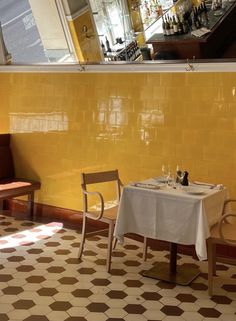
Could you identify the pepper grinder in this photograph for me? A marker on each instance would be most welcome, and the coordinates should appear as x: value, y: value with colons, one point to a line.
x: 184, y: 181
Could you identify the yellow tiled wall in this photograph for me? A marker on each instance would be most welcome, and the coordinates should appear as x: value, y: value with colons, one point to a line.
x: 63, y: 124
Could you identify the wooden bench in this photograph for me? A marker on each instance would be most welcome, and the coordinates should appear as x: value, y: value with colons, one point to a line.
x: 11, y: 186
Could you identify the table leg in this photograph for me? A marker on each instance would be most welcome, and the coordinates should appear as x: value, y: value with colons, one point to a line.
x: 171, y: 272
x: 30, y: 205
x: 173, y: 257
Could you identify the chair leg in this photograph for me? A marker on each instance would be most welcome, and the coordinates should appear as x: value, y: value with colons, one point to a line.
x: 214, y: 259
x: 115, y: 243
x: 211, y: 265
x: 144, y: 249
x: 109, y: 250
x: 82, y: 237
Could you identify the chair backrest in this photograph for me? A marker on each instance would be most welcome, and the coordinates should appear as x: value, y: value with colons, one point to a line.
x: 101, y: 177
x: 6, y: 159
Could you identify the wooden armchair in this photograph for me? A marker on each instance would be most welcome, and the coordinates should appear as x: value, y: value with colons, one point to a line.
x: 104, y: 215
x: 222, y: 233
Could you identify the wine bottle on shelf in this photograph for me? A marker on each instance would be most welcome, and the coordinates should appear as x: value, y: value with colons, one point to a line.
x: 168, y: 18
x: 171, y: 26
x: 188, y: 19
x: 196, y: 21
x: 164, y: 26
x: 180, y: 26
x: 205, y: 12
x: 132, y: 57
x: 202, y: 15
x: 127, y: 54
x: 135, y: 51
x: 202, y: 8
x: 167, y: 27
x: 108, y: 45
x: 132, y: 52
x: 199, y: 14
x: 185, y: 26
x: 103, y: 48
x: 175, y: 26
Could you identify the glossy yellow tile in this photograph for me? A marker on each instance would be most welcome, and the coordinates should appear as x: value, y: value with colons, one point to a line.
x: 63, y: 124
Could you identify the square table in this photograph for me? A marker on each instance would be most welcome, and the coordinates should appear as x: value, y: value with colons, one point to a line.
x: 173, y: 215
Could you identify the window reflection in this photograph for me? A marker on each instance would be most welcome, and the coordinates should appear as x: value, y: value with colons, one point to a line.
x: 31, y: 37
x: 112, y: 119
x: 111, y: 18
x: 38, y: 122
x: 20, y: 32
x: 149, y: 119
x: 58, y: 31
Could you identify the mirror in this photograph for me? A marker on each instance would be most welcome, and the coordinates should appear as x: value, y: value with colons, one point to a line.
x: 136, y: 30
x: 111, y: 31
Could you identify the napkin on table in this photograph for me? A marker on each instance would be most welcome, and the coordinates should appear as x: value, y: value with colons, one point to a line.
x: 209, y: 185
x: 145, y: 185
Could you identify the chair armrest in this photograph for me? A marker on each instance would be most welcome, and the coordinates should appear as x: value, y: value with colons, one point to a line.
x: 221, y: 226
x: 101, y: 200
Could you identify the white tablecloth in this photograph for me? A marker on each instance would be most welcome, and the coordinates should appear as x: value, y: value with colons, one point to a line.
x: 170, y: 215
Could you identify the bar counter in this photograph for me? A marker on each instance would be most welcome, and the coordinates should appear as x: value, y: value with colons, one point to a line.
x: 211, y: 45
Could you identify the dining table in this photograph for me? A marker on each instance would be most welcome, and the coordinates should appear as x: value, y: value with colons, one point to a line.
x: 173, y: 213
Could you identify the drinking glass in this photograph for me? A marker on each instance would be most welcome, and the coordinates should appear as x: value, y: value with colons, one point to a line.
x: 179, y: 176
x: 166, y: 173
x: 170, y: 178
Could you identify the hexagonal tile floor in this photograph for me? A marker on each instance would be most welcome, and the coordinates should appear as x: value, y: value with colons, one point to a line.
x: 41, y: 279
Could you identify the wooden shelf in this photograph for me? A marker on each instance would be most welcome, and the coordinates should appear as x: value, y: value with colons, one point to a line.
x: 223, y: 30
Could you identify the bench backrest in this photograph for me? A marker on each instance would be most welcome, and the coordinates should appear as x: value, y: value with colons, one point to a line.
x: 6, y: 159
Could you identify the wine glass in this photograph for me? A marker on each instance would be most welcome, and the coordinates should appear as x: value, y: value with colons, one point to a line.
x: 166, y: 173
x: 170, y: 179
x: 179, y: 175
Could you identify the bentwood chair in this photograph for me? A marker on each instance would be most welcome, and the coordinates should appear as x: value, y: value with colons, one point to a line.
x: 224, y: 233
x: 103, y: 214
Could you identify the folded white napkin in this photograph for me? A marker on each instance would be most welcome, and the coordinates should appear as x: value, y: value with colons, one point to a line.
x: 209, y: 185
x: 145, y: 185
x: 204, y: 184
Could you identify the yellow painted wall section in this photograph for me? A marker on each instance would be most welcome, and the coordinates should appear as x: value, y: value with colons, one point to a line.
x: 63, y: 124
x: 86, y: 44
x: 76, y: 43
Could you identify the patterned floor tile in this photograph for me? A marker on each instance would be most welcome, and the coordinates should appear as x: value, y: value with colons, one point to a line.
x: 41, y: 279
